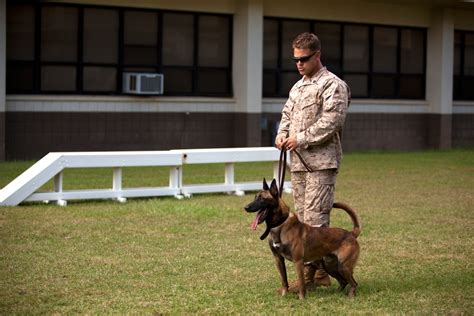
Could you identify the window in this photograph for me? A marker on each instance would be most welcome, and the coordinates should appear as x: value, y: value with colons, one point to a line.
x: 463, y: 66
x: 76, y: 49
x: 376, y: 61
x: 100, y: 50
x: 140, y: 38
x: 21, y: 48
x: 355, y: 60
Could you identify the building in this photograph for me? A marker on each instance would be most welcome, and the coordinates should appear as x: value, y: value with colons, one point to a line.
x: 227, y: 72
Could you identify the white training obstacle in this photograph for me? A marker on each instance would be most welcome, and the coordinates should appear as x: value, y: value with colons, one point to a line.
x: 52, y: 166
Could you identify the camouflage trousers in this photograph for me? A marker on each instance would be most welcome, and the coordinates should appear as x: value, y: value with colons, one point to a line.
x: 313, y: 193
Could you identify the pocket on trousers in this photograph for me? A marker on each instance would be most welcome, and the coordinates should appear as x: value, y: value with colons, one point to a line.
x: 327, y: 177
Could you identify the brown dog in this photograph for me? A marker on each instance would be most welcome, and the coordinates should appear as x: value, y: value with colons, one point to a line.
x: 290, y: 239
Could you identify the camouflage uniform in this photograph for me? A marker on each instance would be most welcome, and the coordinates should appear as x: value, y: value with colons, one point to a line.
x: 314, y: 114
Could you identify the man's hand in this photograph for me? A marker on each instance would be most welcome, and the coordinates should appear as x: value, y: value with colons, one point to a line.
x: 289, y: 143
x: 279, y: 141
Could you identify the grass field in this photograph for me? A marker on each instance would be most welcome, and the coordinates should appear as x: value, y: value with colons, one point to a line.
x: 167, y: 256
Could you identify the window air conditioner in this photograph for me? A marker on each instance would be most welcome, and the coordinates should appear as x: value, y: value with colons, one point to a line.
x: 142, y: 83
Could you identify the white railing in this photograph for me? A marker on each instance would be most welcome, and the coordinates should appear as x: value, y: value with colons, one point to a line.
x: 24, y: 187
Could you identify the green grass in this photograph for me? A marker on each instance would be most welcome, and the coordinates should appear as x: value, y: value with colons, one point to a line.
x: 199, y: 255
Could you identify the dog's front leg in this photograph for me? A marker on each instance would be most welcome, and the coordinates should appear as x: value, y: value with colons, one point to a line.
x: 280, y: 264
x: 300, y: 272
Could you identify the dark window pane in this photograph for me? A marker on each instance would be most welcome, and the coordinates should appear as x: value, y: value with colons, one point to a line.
x: 59, y: 34
x: 385, y: 50
x: 100, y: 79
x: 140, y: 37
x: 270, y: 44
x: 412, y: 87
x: 213, y: 82
x: 269, y: 84
x: 19, y: 77
x: 412, y: 52
x: 20, y: 32
x: 178, y: 39
x: 358, y: 85
x: 288, y: 80
x: 290, y: 30
x: 468, y: 88
x: 457, y: 88
x: 356, y: 48
x: 383, y: 86
x: 457, y: 53
x: 178, y: 81
x: 213, y: 41
x: 100, y: 35
x: 58, y: 78
x: 329, y: 35
x: 469, y: 55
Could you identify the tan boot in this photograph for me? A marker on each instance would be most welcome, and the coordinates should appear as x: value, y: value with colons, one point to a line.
x: 322, y: 278
x: 309, y: 271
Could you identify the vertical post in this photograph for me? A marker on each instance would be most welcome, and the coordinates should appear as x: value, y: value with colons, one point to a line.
x: 58, y: 182
x: 230, y: 179
x: 248, y: 69
x: 58, y: 188
x: 117, y: 179
x: 176, y: 182
x: 229, y: 174
x: 439, y: 78
x: 117, y: 184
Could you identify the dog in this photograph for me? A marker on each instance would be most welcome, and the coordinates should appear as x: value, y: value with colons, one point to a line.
x: 336, y: 248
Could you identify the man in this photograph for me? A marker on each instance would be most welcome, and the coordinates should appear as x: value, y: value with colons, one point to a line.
x: 311, y: 124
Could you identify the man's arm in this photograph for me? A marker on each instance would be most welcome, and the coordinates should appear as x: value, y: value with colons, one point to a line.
x: 284, y: 128
x: 336, y: 101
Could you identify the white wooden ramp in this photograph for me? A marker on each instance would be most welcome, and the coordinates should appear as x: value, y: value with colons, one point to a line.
x: 24, y: 187
x: 51, y: 166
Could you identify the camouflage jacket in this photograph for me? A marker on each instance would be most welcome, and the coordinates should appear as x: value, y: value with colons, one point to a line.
x: 314, y: 114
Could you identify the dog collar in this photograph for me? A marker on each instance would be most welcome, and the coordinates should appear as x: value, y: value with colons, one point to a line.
x: 268, y: 229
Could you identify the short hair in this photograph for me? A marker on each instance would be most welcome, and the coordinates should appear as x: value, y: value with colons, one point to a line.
x: 307, y: 40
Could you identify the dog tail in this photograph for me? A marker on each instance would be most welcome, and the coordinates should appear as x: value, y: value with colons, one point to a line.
x: 355, y: 219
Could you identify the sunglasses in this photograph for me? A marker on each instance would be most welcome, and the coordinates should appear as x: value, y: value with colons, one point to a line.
x: 304, y: 58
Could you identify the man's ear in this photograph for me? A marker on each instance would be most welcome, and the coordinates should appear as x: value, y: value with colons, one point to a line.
x: 274, y: 189
x: 265, y: 185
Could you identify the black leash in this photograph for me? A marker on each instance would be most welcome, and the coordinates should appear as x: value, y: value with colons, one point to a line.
x: 282, y: 168
x: 281, y: 171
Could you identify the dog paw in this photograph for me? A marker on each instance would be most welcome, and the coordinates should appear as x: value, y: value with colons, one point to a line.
x: 282, y: 291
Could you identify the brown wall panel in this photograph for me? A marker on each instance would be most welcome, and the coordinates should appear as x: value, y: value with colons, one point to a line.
x: 463, y: 130
x: 31, y: 135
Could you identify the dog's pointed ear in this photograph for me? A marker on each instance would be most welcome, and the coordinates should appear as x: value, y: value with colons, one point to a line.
x: 265, y: 184
x: 274, y: 189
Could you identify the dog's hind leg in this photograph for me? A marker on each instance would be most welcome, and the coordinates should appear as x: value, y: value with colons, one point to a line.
x: 347, y: 259
x: 331, y: 265
x: 347, y: 273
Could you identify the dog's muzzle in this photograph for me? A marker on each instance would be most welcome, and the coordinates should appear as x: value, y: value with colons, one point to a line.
x: 259, y: 218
